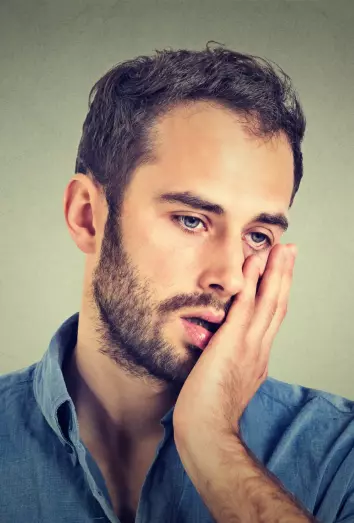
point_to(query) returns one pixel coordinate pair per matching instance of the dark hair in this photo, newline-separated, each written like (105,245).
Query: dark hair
(126,101)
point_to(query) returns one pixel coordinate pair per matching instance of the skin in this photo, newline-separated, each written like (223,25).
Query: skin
(133,360)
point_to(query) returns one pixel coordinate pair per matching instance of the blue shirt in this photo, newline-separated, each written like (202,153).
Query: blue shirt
(303,436)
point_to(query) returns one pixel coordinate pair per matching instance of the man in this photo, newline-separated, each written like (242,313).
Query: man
(153,403)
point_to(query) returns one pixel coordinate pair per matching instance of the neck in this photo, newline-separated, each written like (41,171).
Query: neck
(110,402)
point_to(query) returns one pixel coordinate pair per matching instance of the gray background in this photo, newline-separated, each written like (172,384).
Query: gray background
(51,53)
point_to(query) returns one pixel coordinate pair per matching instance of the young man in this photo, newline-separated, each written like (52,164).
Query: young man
(152,404)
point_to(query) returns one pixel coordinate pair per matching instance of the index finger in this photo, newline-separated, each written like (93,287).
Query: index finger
(242,308)
(269,291)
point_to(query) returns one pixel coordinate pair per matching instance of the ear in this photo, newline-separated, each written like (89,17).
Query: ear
(82,211)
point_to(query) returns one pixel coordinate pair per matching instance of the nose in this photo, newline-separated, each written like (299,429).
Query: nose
(222,272)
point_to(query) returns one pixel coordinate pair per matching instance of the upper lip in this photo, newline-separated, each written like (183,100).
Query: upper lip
(207,316)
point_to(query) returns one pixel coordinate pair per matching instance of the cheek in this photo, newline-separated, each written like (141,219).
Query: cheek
(165,262)
(158,252)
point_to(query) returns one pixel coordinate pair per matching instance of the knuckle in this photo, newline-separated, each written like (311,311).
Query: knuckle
(283,310)
(265,375)
(271,307)
(247,300)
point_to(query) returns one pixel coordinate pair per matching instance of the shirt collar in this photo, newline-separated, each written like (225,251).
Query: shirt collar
(49,385)
(50,388)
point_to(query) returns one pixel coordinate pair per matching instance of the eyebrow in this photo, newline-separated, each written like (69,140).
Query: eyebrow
(196,202)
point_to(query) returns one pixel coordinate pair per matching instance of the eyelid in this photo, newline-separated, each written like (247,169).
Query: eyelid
(262,230)
(176,218)
(203,220)
(269,237)
(267,243)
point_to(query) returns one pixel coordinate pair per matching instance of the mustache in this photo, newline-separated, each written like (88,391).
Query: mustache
(182,301)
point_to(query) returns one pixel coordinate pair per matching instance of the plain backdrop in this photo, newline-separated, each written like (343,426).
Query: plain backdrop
(51,53)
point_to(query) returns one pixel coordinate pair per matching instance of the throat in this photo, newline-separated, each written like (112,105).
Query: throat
(124,473)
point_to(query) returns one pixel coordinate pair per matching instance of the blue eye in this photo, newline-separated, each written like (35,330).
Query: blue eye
(259,238)
(190,227)
(189,224)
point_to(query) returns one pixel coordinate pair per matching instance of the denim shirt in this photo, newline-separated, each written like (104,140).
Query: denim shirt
(305,437)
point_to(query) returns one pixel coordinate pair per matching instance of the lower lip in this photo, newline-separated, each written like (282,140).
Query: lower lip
(197,334)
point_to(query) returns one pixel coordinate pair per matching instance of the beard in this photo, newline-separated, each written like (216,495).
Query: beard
(130,321)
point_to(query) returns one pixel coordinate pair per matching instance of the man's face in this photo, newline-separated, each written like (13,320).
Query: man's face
(165,259)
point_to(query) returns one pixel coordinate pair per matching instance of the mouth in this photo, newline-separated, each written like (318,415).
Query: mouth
(208,325)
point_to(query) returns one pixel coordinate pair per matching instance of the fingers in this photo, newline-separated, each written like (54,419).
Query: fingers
(259,313)
(283,297)
(242,310)
(272,310)
(268,293)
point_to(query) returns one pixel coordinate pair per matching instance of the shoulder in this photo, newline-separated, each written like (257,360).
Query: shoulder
(13,382)
(307,443)
(305,408)
(16,397)
(294,397)
(23,428)
(291,417)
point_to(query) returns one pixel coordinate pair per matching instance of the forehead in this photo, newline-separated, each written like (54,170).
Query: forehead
(206,149)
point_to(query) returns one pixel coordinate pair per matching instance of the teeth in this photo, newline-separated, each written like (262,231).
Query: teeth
(199,322)
(212,327)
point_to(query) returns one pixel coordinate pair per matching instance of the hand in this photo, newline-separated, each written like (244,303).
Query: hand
(235,362)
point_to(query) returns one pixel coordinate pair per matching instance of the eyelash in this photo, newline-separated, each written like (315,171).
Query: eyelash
(177,218)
